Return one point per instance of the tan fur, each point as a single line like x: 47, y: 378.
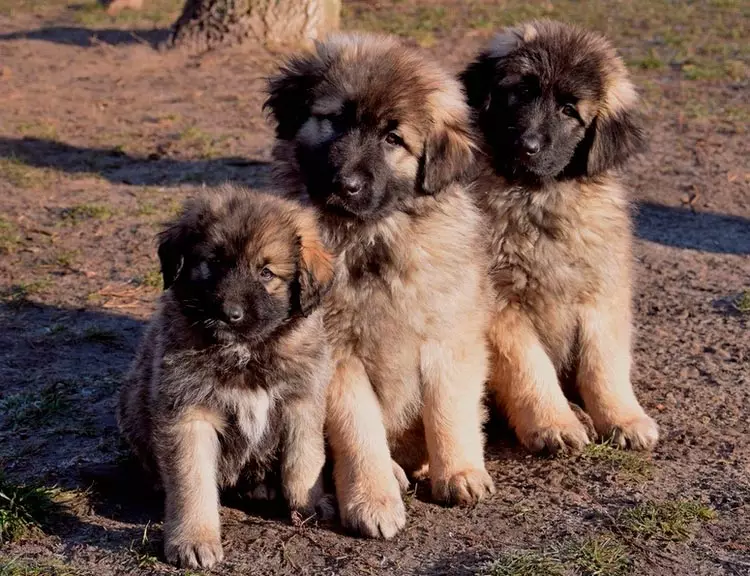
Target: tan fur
x: 204, y: 414
x: 407, y: 313
x: 561, y: 265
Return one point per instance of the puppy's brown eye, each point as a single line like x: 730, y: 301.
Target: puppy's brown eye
x: 570, y: 110
x: 394, y: 139
x: 266, y: 274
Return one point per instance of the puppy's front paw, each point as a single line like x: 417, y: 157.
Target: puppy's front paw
x: 202, y: 552
x: 379, y: 514
x: 565, y: 433
x: 463, y: 488
x: 640, y: 433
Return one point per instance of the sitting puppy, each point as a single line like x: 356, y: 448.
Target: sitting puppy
x: 376, y: 136
x: 234, y: 366
x: 558, y: 116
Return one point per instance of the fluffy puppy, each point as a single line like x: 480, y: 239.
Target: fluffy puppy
x: 233, y: 368
x: 377, y: 137
x: 558, y: 116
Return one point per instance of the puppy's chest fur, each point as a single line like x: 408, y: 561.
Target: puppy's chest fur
x: 405, y: 280
x: 244, y: 387
x: 556, y: 249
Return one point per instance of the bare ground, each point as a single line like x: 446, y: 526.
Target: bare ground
x: 101, y: 137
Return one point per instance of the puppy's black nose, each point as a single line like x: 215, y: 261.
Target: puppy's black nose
x: 531, y: 145
x: 352, y: 185
x: 234, y: 313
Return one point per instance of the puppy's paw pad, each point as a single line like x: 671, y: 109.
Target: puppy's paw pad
x: 198, y: 554
x: 376, y: 517
x: 638, y: 434
x: 464, y: 488
x: 567, y: 436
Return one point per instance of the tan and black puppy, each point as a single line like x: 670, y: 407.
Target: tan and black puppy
x: 558, y: 116
x: 232, y: 371
x: 376, y: 137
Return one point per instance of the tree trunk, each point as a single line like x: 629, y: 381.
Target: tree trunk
x: 207, y: 24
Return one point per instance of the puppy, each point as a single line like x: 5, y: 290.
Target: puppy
x: 376, y: 137
x: 558, y: 116
x: 233, y: 368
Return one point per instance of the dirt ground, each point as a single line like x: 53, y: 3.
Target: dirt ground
x: 102, y: 135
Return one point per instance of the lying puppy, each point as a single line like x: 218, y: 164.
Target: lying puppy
x: 558, y: 115
x: 234, y: 366
x: 376, y: 137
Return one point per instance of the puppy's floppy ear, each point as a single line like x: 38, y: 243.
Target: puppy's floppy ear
x: 479, y: 77
x: 614, y: 139
x: 290, y: 94
x: 315, y: 272
x: 172, y: 248
x: 477, y: 80
x: 448, y: 155
x: 178, y: 238
x: 614, y: 135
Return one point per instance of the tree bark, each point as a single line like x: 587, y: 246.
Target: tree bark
x: 208, y: 24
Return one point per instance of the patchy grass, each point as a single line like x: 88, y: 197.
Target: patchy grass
x: 524, y: 563
x: 600, y: 556
x: 154, y: 13
x: 630, y: 464
x: 20, y: 567
x: 650, y: 61
x: 29, y: 409
x: 701, y: 40
x: 146, y: 209
x: 18, y: 294
x: 145, y: 552
x: 38, y: 129
x: 742, y: 302
x: 10, y: 239
x: 23, y: 509
x: 82, y: 212
x: 152, y: 279
x: 21, y: 175
x: 671, y: 520
x: 66, y: 258
x: 200, y: 143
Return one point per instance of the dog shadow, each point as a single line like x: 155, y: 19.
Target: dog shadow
x: 683, y: 228
x: 87, y: 37
x: 118, y: 167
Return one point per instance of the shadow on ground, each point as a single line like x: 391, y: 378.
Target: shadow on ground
x: 118, y: 167
x: 86, y: 37
x: 683, y: 228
